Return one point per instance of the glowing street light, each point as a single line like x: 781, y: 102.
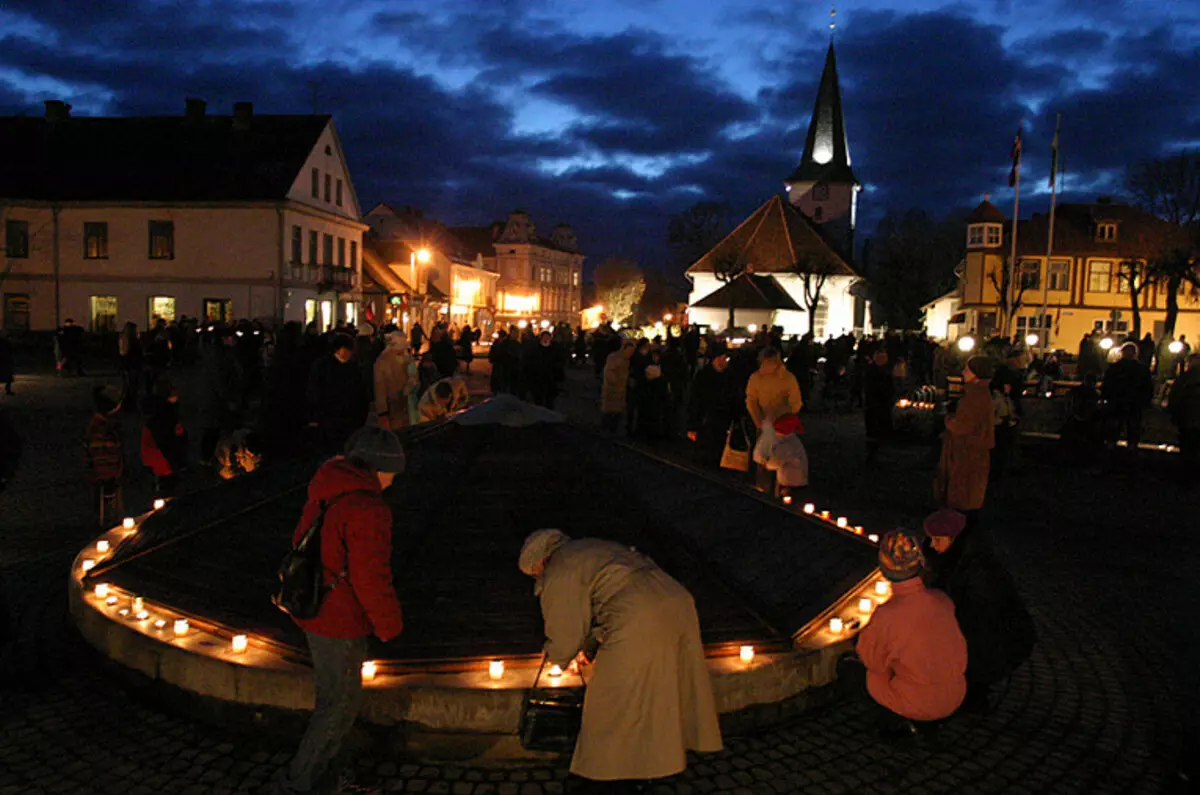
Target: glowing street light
x: 1107, y: 343
x: 423, y: 255
x: 752, y: 328
x: 1031, y: 340
x: 668, y: 317
x: 966, y: 344
x: 1176, y: 347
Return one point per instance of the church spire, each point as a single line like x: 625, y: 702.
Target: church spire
x: 826, y: 151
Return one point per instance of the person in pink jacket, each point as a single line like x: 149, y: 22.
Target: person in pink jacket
x: 913, y: 650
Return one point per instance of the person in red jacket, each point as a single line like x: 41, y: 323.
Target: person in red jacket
x: 356, y: 551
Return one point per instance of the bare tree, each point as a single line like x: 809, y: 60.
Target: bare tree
x: 728, y: 267
x: 1136, y: 275
x: 814, y: 271
x: 619, y: 286
x: 999, y: 278
x: 694, y: 232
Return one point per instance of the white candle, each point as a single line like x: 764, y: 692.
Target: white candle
x: 88, y: 564
x: 842, y: 521
x: 873, y: 538
x: 159, y: 504
x: 142, y: 615
x: 787, y: 499
x: 102, y: 545
x: 824, y: 514
x: 496, y: 669
x: 746, y: 653
x: 101, y: 590
x: 139, y: 604
x: 111, y: 600
x: 124, y: 611
x: 129, y: 523
x: 368, y: 670
x: 835, y: 624
x: 809, y: 507
x: 555, y: 671
x: 181, y: 627
x: 882, y: 587
x: 160, y: 623
x: 858, y: 529
x: 238, y: 643
x: 865, y: 605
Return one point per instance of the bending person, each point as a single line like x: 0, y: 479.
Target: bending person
x: 650, y: 699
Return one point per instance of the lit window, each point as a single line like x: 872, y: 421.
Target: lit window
x: 162, y: 240
x: 16, y: 239
x: 95, y: 240
x: 1106, y: 232
x: 1060, y: 275
x: 1100, y: 277
x: 162, y: 306
x: 975, y: 235
x: 104, y: 313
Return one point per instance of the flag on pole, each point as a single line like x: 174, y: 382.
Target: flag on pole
x: 1016, y: 159
x: 1054, y: 153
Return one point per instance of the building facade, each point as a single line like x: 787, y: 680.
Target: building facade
x: 108, y: 220
x: 1097, y: 247
x: 799, y: 243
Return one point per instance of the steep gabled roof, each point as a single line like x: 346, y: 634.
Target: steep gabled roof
x: 749, y: 291
x: 776, y: 238
x: 155, y: 158
x: 987, y: 213
x: 1139, y: 234
x: 826, y: 150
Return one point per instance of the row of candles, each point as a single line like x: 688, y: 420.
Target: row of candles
x: 138, y: 612
x: 905, y: 403
x: 842, y: 522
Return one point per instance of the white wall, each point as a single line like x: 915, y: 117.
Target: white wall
x: 840, y: 317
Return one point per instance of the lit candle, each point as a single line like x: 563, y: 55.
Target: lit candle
x: 368, y: 670
x: 129, y: 523
x: 111, y: 600
x: 873, y: 538
x: 865, y: 605
x: 824, y: 514
x: 555, y: 671
x: 842, y: 521
x: 101, y: 590
x: 181, y: 627
x: 858, y: 529
x: 238, y: 643
x: 809, y: 507
x: 88, y: 564
x: 142, y: 615
x: 102, y: 545
x: 787, y: 499
x: 160, y: 623
x: 139, y: 604
x: 159, y: 504
x: 496, y: 669
x: 882, y: 587
x: 124, y: 611
x: 746, y: 653
x: 835, y: 624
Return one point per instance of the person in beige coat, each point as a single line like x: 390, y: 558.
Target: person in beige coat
x: 393, y: 382
x: 649, y: 700
x: 771, y: 393
x: 962, y: 477
x: 615, y: 390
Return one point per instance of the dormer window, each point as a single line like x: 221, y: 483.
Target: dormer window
x: 993, y: 234
x: 1106, y: 232
x: 981, y: 235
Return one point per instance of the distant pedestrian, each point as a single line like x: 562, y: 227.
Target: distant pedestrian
x: 221, y: 392
x: 395, y: 377
x: 879, y: 398
x: 443, y: 353
x: 336, y: 396
x: 164, y: 439
x: 715, y: 402
x: 1127, y: 390
x: 545, y: 371
x: 615, y: 389
x: 105, y: 455
x: 416, y: 339
x: 360, y: 600
x: 770, y: 393
x: 70, y: 347
x: 466, y: 346
x: 962, y: 476
x: 1183, y: 404
x: 129, y: 351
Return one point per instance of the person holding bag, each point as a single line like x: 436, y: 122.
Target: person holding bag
x: 771, y: 392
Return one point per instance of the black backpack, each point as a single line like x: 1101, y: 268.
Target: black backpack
x: 302, y: 571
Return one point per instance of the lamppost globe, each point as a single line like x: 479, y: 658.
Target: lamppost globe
x: 423, y: 255
x: 1175, y: 347
x: 966, y: 344
x: 668, y: 317
x: 1031, y: 340
x: 752, y: 328
x: 1106, y: 343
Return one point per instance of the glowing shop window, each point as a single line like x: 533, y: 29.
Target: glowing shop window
x: 104, y: 313
x: 326, y: 314
x: 350, y: 313
x: 310, y: 310
x: 162, y: 306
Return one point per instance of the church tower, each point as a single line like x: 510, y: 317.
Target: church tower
x: 823, y: 186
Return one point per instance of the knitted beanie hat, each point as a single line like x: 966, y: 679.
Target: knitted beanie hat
x: 900, y: 555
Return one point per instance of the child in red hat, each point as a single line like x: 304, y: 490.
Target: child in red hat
x: 788, y: 458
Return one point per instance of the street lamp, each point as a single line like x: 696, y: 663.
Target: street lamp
x: 1175, y: 347
x: 966, y: 344
x: 1107, y: 343
x: 752, y: 328
x: 668, y: 317
x: 1031, y: 340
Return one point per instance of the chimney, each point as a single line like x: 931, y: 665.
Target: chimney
x: 194, y: 111
x: 57, y: 110
x: 243, y: 112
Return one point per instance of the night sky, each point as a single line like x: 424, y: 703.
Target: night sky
x: 611, y: 115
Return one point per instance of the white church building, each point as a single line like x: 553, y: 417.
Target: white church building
x: 788, y: 248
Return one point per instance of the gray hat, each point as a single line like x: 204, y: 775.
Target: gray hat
x: 379, y: 448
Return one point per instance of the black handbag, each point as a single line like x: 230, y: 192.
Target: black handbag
x: 551, y: 716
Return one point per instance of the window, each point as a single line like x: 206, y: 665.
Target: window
x: 327, y: 252
x: 297, y: 245
x: 341, y: 252
x: 975, y: 235
x: 316, y: 183
x: 1031, y: 274
x: 574, y: 278
x: 16, y: 237
x: 104, y: 313
x: 1060, y: 275
x: 1106, y: 232
x: 339, y: 193
x: 354, y: 254
x: 993, y: 234
x: 218, y: 310
x: 819, y: 214
x: 95, y: 241
x: 310, y: 310
x: 820, y: 192
x: 1100, y: 277
x: 162, y: 240
x: 161, y: 306
x: 16, y: 312
x: 312, y: 248
x: 328, y: 186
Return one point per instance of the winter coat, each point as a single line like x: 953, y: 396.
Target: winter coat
x: 336, y: 393
x: 1127, y: 386
x: 615, y: 388
x: 650, y: 699
x: 444, y: 356
x: 1183, y: 403
x: 356, y: 538
x: 915, y: 654
x: 164, y: 439
x: 714, y: 404
x: 962, y: 477
x: 789, y: 460
x: 993, y: 619
x: 222, y: 387
x: 428, y: 407
x: 104, y: 449
x: 392, y: 386
x: 879, y: 395
x: 769, y: 397
x: 544, y: 372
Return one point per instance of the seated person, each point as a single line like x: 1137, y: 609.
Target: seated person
x: 442, y: 398
x: 914, y: 653
x: 238, y: 453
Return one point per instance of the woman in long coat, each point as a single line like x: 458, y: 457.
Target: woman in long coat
x: 967, y: 442
x: 615, y: 388
x: 393, y: 382
x: 650, y: 697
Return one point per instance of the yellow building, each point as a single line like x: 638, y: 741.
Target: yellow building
x: 1083, y: 287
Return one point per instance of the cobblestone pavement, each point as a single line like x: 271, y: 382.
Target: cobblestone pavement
x: 1106, y: 704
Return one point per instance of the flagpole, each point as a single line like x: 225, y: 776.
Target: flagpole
x: 1010, y: 320
x: 1045, y: 331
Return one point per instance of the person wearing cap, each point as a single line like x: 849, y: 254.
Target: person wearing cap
x: 962, y: 477
x: 1127, y: 389
x: 788, y: 458
x: 395, y: 377
x: 914, y: 653
x: 649, y: 697
x: 998, y: 628
x: 356, y: 554
x: 713, y: 405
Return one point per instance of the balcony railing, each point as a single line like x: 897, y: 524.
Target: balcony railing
x: 333, y: 277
